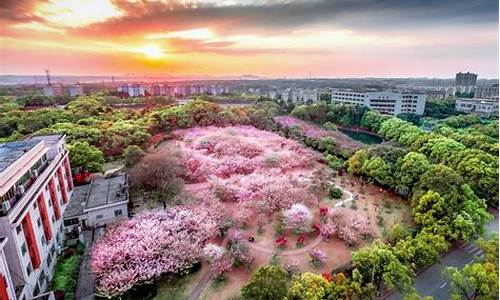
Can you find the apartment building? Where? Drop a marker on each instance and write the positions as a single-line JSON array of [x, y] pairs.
[[300, 95], [465, 79], [387, 102], [485, 108], [35, 187]]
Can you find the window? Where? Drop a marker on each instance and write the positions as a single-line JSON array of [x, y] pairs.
[[98, 217], [53, 219], [50, 203], [36, 290], [70, 222], [38, 222], [34, 205], [118, 212], [49, 259], [23, 249], [41, 278], [19, 229], [29, 269]]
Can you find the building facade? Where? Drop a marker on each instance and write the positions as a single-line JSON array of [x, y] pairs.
[[35, 187], [386, 102], [486, 92], [465, 79], [485, 108]]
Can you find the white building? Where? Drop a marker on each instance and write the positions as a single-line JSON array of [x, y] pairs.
[[387, 102], [300, 95], [101, 202], [486, 92], [133, 90], [483, 107], [7, 289], [35, 186]]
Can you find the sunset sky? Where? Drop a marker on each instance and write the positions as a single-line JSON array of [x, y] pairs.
[[292, 38]]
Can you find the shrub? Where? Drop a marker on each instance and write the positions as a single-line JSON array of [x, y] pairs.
[[335, 192], [318, 257], [66, 274], [268, 282]]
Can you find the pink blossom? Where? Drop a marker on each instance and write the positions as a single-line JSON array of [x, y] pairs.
[[297, 217], [317, 256], [151, 244]]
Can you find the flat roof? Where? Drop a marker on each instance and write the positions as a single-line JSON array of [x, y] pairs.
[[100, 192], [12, 151], [48, 139]]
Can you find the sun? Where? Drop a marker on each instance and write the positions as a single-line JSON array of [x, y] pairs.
[[152, 51]]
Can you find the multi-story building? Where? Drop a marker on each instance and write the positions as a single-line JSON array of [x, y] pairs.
[[465, 79], [486, 92], [300, 95], [387, 102], [35, 186], [133, 90], [483, 107], [7, 289]]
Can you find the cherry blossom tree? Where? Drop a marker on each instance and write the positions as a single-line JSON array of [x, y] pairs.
[[151, 244], [318, 257], [298, 217], [212, 252]]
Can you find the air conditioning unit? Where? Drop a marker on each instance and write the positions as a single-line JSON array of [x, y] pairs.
[[5, 207]]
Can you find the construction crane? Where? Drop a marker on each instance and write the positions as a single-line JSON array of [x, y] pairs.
[[47, 74]]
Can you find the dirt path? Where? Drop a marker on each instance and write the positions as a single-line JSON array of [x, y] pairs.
[[204, 280], [200, 286], [294, 252]]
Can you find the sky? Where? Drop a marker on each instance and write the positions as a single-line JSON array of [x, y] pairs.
[[271, 38]]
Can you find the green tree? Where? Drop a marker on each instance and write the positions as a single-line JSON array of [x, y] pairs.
[[396, 233], [378, 264], [83, 155], [327, 144], [356, 162], [267, 283], [413, 165], [474, 281], [308, 286], [380, 170], [301, 112], [422, 250]]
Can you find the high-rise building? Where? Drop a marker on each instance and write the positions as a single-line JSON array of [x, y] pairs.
[[465, 79], [387, 102], [35, 187]]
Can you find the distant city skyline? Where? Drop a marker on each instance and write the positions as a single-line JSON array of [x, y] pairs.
[[274, 39]]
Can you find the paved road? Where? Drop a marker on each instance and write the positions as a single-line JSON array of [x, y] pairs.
[[430, 283]]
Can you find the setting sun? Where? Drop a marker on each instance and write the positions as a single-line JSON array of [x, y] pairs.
[[152, 51]]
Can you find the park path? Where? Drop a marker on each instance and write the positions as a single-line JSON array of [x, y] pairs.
[[204, 280], [302, 250], [200, 286]]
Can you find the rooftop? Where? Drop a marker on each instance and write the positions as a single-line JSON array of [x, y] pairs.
[[100, 192], [12, 151], [48, 139]]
